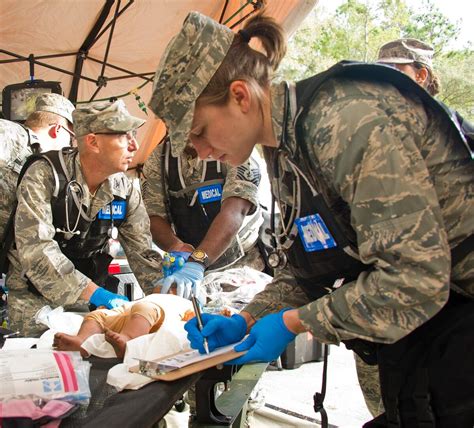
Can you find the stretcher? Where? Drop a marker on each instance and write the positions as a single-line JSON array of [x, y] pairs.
[[147, 406]]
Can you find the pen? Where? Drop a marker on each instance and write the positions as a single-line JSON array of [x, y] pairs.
[[199, 321]]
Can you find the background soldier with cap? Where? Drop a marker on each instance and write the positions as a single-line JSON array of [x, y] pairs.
[[414, 58], [49, 127], [70, 203], [202, 205], [374, 187]]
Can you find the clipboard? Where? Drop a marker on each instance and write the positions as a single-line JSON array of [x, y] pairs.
[[159, 370]]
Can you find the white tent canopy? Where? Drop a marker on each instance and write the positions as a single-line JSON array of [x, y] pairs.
[[81, 37]]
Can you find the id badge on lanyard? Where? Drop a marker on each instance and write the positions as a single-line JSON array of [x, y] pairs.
[[314, 233], [211, 193]]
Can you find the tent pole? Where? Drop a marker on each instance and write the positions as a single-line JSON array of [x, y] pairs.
[[88, 43]]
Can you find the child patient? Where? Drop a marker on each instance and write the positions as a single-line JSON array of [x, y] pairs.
[[119, 326]]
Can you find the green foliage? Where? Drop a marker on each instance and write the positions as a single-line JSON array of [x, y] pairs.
[[358, 28]]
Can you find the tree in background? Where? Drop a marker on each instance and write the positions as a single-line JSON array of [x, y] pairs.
[[358, 28]]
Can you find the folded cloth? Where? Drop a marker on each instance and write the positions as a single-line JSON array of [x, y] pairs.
[[169, 339], [49, 415]]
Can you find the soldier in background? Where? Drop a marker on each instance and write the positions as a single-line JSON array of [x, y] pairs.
[[414, 58], [49, 127], [375, 189], [204, 208], [70, 203]]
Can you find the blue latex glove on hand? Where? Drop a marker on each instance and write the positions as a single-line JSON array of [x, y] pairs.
[[267, 340], [186, 279], [102, 297], [219, 330]]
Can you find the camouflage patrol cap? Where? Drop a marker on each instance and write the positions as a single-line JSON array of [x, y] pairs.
[[188, 64], [406, 51], [104, 117], [55, 103]]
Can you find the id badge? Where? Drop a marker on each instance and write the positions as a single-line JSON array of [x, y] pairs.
[[119, 209], [314, 233], [210, 193]]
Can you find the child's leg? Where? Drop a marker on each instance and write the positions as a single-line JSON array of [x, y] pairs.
[[143, 316], [93, 323]]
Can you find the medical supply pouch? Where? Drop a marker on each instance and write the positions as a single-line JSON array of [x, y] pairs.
[[44, 375]]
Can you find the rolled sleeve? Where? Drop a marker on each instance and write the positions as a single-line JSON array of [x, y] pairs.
[[152, 185], [243, 182]]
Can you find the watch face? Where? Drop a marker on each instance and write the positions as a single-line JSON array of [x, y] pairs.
[[200, 257], [199, 254]]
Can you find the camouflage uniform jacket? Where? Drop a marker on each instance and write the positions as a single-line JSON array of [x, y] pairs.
[[408, 192], [38, 256], [239, 182], [14, 149]]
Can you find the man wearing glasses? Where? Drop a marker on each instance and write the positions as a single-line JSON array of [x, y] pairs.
[[70, 203]]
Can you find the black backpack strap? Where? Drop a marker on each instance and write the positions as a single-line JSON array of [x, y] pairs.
[[9, 232], [7, 241], [319, 397]]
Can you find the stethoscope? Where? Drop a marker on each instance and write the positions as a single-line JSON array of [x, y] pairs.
[[283, 240], [76, 190], [73, 187]]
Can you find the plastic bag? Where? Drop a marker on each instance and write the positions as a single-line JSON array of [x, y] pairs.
[[231, 290], [58, 320], [43, 375]]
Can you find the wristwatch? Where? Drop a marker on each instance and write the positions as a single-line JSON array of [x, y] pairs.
[[199, 256]]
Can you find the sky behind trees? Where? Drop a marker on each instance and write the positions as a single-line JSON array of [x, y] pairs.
[[457, 11]]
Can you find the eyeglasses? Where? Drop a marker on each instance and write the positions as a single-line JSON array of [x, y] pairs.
[[72, 136], [131, 135]]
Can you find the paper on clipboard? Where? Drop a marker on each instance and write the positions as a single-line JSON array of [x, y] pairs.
[[185, 363]]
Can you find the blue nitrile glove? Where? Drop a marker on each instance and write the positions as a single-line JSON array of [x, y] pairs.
[[173, 261], [187, 278], [219, 330], [102, 297], [267, 340]]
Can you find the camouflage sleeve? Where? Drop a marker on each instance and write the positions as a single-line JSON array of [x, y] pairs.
[[52, 273], [282, 292], [243, 182], [152, 186], [135, 237], [368, 149]]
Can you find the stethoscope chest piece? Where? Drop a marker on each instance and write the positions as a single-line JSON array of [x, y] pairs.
[[277, 259], [112, 232]]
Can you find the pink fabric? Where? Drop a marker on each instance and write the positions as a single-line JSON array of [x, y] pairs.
[[28, 409]]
